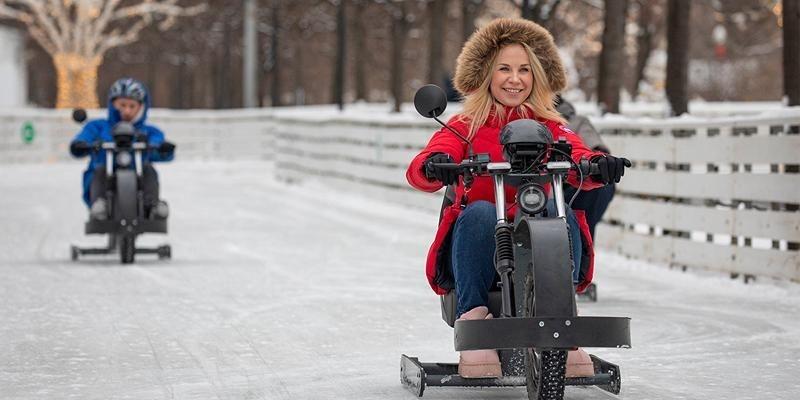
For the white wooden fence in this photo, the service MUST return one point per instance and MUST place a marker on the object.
(720, 193)
(199, 134)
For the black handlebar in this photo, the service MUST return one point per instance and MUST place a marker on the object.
(589, 168)
(453, 166)
(586, 167)
(98, 145)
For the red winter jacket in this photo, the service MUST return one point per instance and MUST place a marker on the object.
(486, 140)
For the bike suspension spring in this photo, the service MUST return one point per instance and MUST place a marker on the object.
(504, 247)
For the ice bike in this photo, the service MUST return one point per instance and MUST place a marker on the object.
(126, 217)
(536, 319)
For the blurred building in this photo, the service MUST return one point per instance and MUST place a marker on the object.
(13, 71)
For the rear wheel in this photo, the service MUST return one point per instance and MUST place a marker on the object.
(127, 249)
(544, 369)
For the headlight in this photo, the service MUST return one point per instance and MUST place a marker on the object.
(124, 159)
(531, 198)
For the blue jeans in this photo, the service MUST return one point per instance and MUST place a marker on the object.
(472, 252)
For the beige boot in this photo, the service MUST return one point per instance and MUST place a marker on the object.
(479, 363)
(579, 364)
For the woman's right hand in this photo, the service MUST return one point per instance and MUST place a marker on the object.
(447, 176)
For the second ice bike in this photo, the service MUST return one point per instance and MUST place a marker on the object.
(126, 217)
(536, 319)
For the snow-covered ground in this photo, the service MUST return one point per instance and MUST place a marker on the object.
(302, 292)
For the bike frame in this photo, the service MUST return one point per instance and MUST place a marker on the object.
(498, 170)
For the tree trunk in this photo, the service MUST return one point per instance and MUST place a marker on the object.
(338, 68)
(527, 13)
(536, 12)
(359, 48)
(152, 56)
(224, 83)
(179, 97)
(250, 50)
(644, 44)
(678, 56)
(399, 33)
(275, 90)
(612, 57)
(77, 80)
(791, 51)
(191, 92)
(436, 18)
(299, 79)
(469, 10)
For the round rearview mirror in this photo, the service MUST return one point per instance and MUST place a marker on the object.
(430, 101)
(79, 115)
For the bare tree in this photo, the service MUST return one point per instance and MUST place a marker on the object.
(791, 51)
(678, 55)
(612, 58)
(250, 44)
(539, 11)
(360, 51)
(224, 92)
(274, 55)
(469, 11)
(525, 8)
(400, 26)
(436, 18)
(645, 38)
(341, 47)
(77, 34)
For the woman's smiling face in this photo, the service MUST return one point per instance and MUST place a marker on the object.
(512, 78)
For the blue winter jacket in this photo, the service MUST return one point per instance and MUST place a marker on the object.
(99, 130)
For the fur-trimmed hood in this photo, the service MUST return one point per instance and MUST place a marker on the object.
(473, 63)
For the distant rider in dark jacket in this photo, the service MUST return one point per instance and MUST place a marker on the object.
(593, 202)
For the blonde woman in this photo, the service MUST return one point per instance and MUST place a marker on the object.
(508, 70)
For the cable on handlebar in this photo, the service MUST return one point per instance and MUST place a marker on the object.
(580, 173)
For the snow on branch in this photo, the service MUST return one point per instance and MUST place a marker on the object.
(119, 39)
(148, 9)
(81, 26)
(29, 20)
(13, 13)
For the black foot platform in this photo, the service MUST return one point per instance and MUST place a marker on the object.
(163, 251)
(416, 376)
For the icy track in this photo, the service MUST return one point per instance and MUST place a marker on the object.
(300, 292)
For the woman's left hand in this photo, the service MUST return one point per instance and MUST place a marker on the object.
(611, 168)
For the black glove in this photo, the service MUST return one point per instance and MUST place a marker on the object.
(80, 148)
(446, 176)
(166, 148)
(611, 168)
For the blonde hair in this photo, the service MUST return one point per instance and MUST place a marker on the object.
(480, 103)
